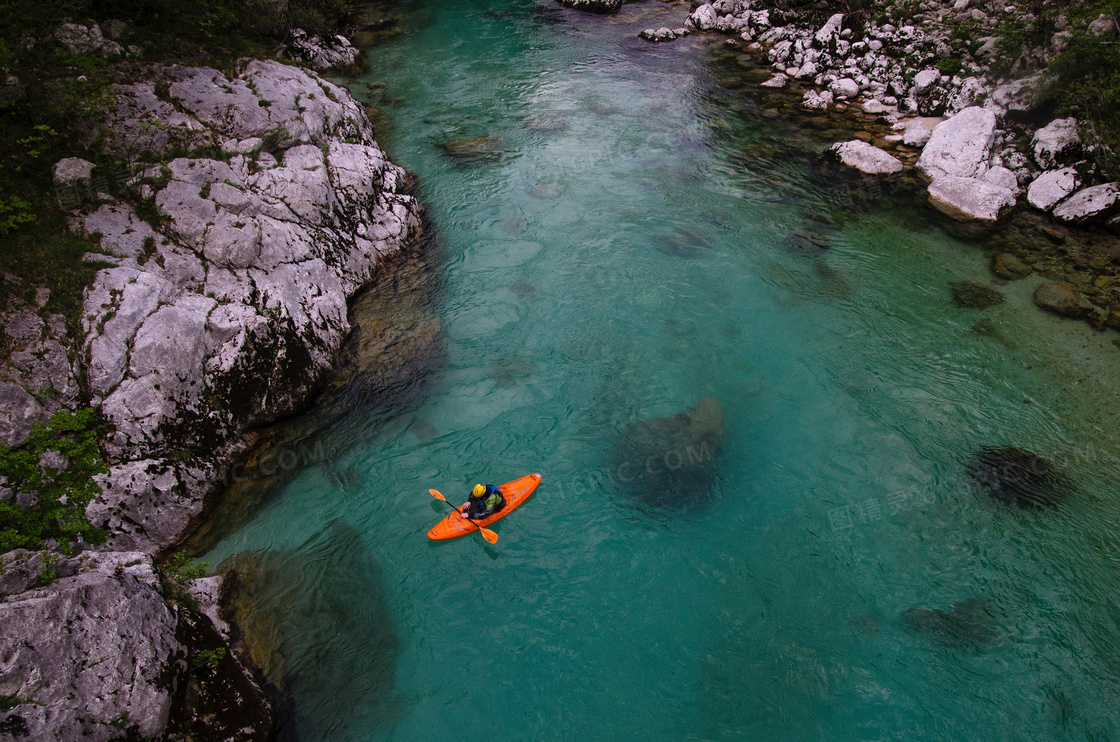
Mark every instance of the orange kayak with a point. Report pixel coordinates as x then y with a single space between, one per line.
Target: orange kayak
515 493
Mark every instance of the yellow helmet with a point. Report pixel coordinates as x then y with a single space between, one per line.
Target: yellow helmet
478 490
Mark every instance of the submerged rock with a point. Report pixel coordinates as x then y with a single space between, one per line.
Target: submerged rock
807 241
1005 265
671 461
1017 476
317 623
683 242
475 149
975 295
968 623
1063 299
988 329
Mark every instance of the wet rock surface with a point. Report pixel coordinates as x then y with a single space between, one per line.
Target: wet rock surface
672 461
1017 476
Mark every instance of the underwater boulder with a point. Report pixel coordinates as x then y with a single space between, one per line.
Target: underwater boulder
968 623
316 621
671 461
975 295
1018 477
475 149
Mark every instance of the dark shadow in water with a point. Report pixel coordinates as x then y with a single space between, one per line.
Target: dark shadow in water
315 620
970 623
671 462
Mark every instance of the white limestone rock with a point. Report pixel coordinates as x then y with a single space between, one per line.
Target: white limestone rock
960 146
1052 187
814 100
322 54
1095 204
704 18
844 88
1002 177
242 296
866 158
1056 142
829 32
971 200
916 135
777 81
92 649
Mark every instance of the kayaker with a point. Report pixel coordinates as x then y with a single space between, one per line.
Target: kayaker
485 500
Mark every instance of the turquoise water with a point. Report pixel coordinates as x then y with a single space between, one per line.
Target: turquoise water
650 213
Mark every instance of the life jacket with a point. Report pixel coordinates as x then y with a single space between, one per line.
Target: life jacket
490 502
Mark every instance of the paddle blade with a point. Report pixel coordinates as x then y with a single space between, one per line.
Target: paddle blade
437 494
489 535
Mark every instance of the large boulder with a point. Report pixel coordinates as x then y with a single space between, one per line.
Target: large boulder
844 88
595 6
829 32
93 654
960 146
672 461
244 297
1094 204
1057 142
916 135
1063 299
969 199
865 158
1051 188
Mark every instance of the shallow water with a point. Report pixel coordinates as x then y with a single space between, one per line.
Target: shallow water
643 240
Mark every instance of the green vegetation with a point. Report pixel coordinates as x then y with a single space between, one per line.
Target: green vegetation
178 572
49 574
211 657
1084 81
61 490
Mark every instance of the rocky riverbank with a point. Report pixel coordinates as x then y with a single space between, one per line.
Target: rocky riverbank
956 108
257 203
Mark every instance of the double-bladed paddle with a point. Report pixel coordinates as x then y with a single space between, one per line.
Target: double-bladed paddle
486 532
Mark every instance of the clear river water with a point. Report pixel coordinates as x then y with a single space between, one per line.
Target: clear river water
646 239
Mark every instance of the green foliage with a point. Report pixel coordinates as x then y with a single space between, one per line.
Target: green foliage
61 493
14 211
211 657
1084 81
181 569
950 66
49 574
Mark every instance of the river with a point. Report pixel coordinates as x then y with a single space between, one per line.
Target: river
645 239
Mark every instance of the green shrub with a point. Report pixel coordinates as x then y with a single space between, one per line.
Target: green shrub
950 66
61 493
